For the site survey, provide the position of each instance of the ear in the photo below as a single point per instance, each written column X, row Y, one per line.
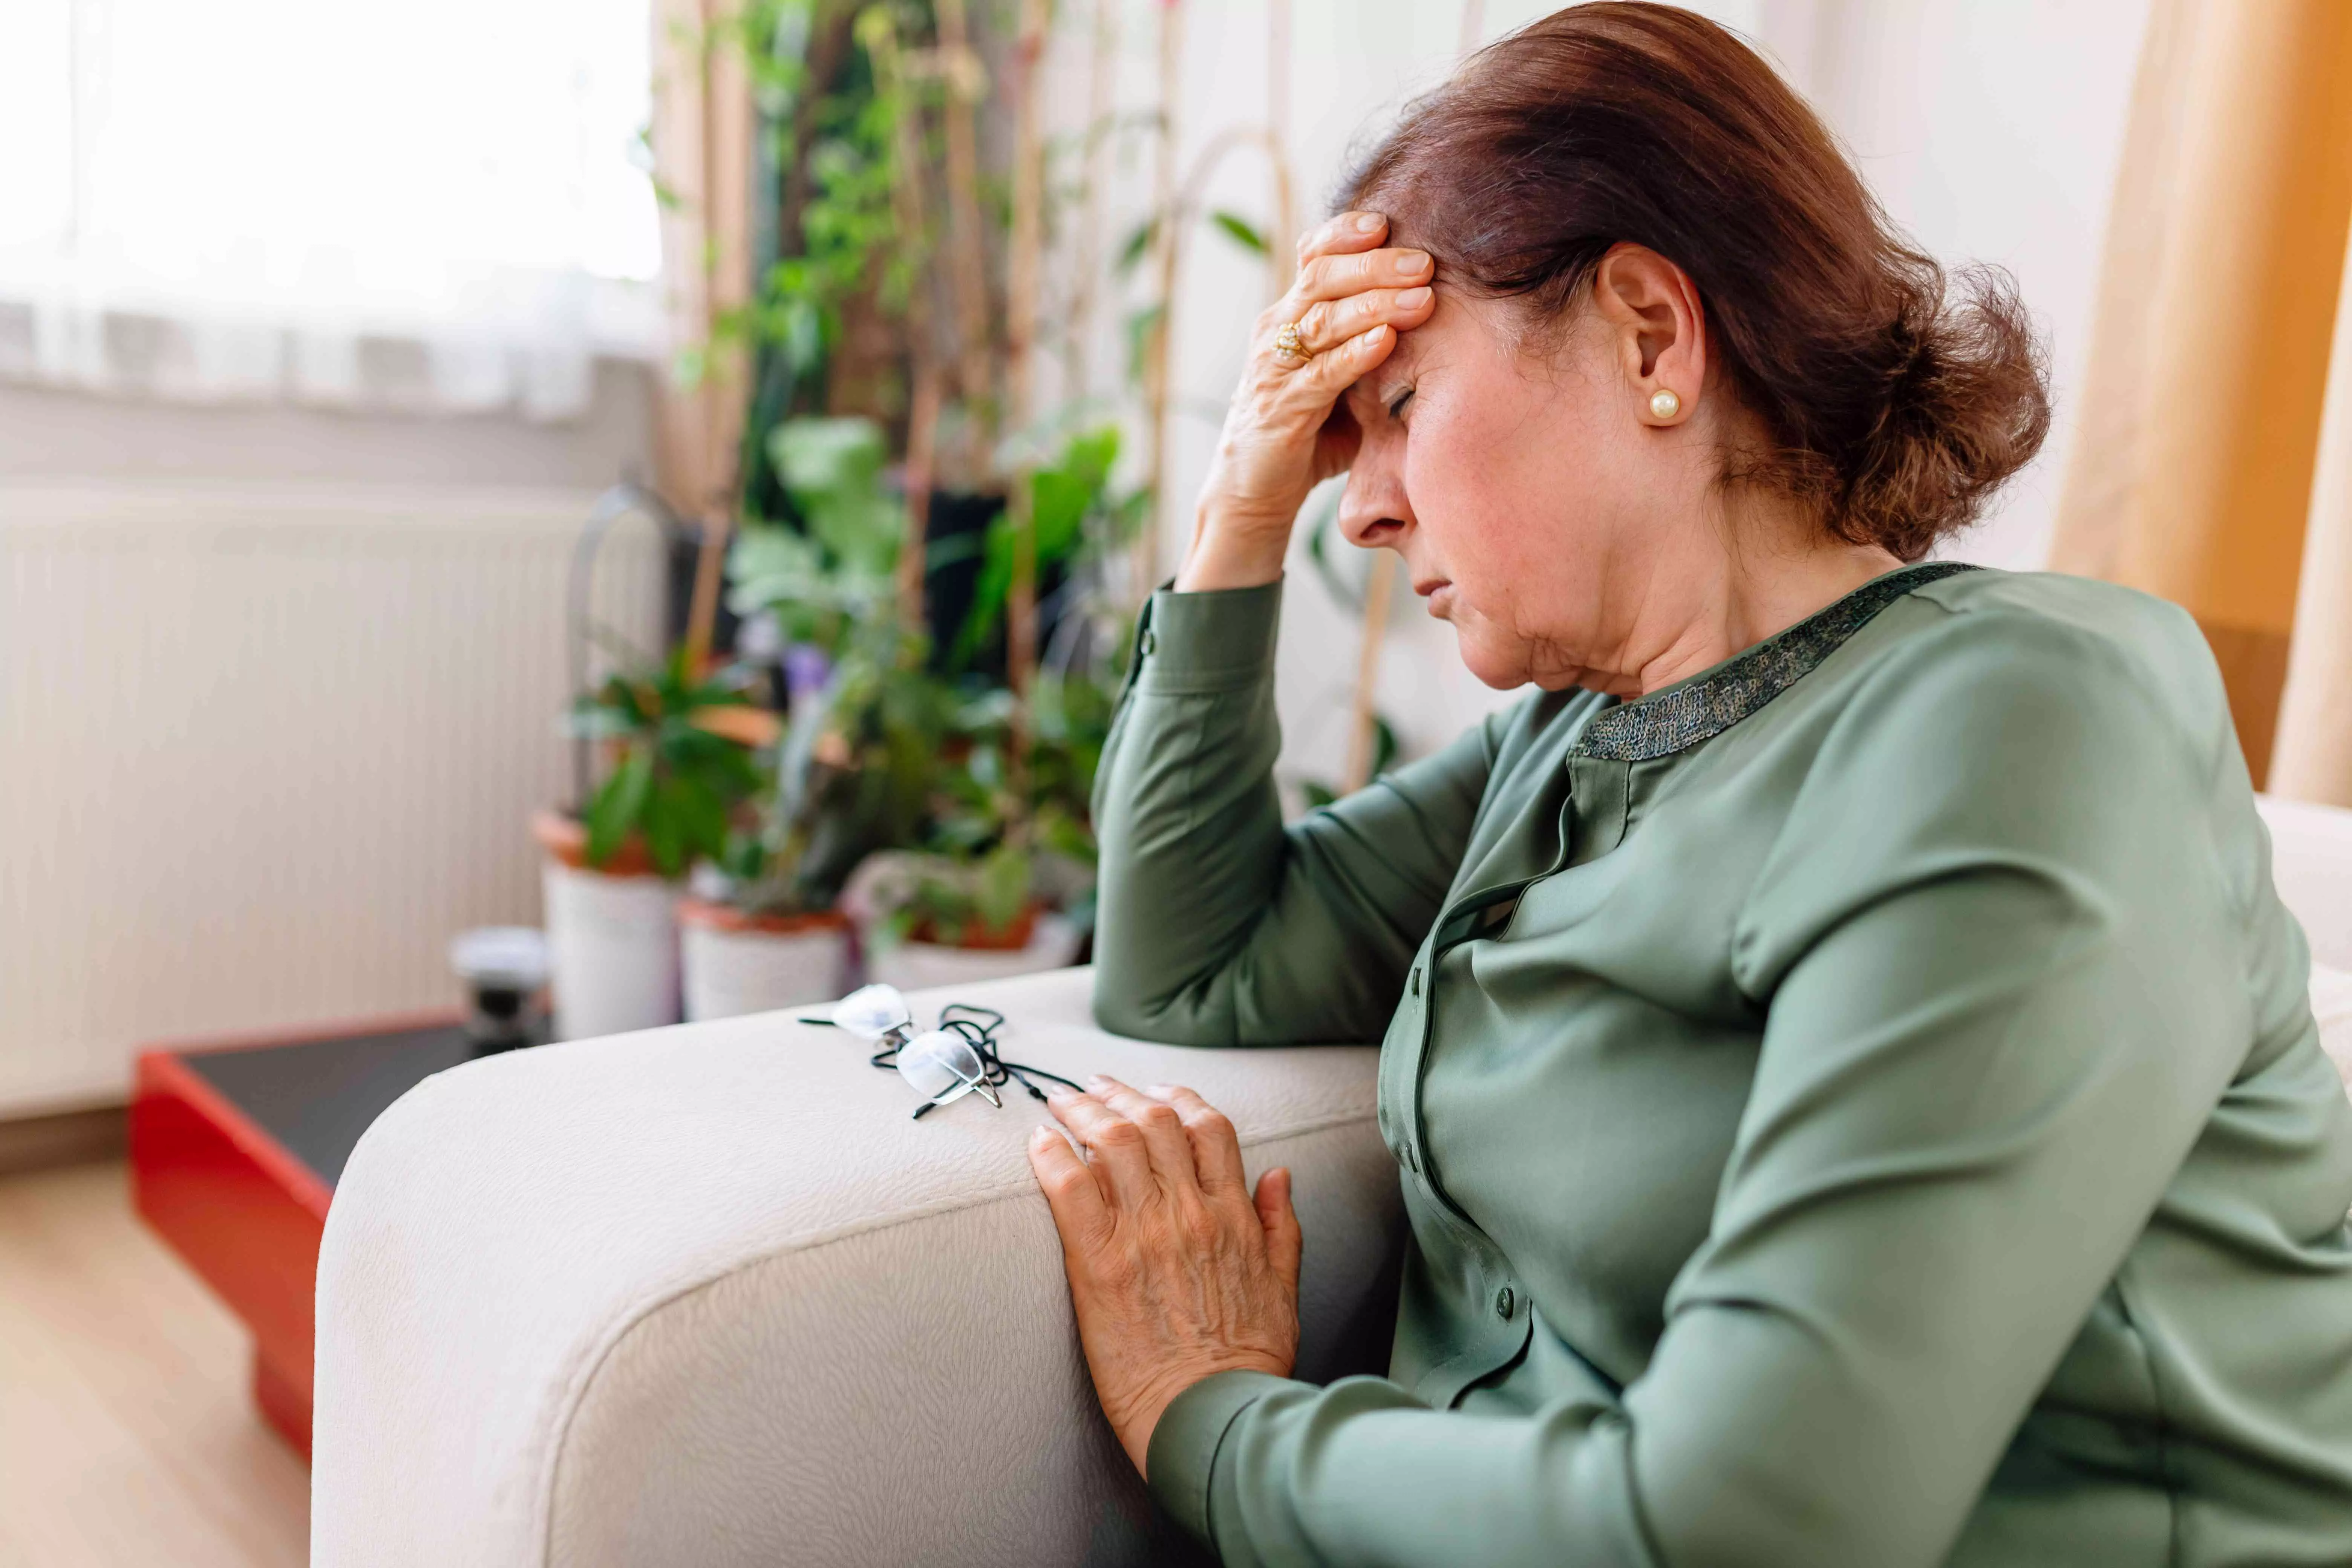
column 1658, row 329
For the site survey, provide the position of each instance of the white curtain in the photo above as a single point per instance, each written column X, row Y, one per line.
column 436, row 206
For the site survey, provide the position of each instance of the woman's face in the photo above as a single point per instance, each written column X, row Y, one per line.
column 1522, row 485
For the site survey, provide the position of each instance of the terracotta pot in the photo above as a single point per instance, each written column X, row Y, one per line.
column 612, row 934
column 1009, row 937
column 565, row 838
column 736, row 962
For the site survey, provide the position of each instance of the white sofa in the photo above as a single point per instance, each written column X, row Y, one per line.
column 708, row 1295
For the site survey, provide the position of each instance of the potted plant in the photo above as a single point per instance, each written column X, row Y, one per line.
column 764, row 929
column 684, row 761
column 999, row 881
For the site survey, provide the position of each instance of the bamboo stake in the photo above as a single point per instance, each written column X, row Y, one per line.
column 725, row 167
column 922, row 464
column 907, row 195
column 1283, row 241
column 1024, row 257
column 1156, row 366
column 960, row 76
column 1079, row 339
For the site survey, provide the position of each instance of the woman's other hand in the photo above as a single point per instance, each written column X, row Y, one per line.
column 1287, row 430
column 1177, row 1272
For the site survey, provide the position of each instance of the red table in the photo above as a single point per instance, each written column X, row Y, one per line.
column 235, row 1146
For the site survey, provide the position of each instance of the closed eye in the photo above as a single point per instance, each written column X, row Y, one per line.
column 1396, row 407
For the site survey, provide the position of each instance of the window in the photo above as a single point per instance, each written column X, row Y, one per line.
column 441, row 204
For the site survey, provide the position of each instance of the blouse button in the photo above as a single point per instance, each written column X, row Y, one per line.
column 1504, row 1301
column 1411, row 1161
column 1150, row 640
column 1416, row 982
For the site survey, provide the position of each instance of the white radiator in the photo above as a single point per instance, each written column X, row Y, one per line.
column 263, row 750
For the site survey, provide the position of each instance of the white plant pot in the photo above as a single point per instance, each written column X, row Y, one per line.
column 736, row 965
column 612, row 945
column 918, row 965
column 612, row 941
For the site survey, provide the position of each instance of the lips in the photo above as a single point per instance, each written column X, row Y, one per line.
column 1429, row 585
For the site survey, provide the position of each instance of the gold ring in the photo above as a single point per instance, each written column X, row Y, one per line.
column 1289, row 345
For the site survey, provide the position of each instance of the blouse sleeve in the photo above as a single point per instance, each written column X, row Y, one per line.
column 2003, row 979
column 1217, row 925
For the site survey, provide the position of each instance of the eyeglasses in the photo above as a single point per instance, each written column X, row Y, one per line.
column 944, row 1064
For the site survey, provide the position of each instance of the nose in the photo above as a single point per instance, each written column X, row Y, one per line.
column 1375, row 512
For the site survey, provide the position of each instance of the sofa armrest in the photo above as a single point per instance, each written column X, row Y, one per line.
column 708, row 1295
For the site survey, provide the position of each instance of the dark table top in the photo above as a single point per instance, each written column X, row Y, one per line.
column 316, row 1097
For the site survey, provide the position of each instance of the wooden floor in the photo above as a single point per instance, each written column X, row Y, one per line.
column 126, row 1436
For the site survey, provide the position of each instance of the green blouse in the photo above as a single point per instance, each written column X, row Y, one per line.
column 1857, row 1105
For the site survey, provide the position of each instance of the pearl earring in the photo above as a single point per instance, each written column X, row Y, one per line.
column 1664, row 403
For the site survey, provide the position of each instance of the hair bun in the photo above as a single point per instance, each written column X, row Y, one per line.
column 1964, row 406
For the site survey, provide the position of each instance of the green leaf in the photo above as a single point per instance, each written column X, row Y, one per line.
column 1137, row 246
column 617, row 806
column 861, row 532
column 1004, row 889
column 694, row 816
column 828, row 455
column 833, row 470
column 1241, row 231
column 1140, row 325
column 663, row 842
column 802, row 333
column 989, row 591
column 1061, row 496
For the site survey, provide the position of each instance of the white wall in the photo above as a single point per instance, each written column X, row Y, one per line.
column 49, row 433
column 1992, row 129
column 1989, row 128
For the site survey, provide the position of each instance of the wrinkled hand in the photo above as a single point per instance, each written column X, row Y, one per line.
column 1175, row 1271
column 1286, row 430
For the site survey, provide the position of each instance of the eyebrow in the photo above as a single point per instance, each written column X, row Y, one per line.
column 1388, row 383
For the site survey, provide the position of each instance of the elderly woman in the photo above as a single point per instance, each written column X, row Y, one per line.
column 1851, row 1077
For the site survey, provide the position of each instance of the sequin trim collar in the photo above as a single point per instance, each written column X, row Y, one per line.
column 1682, row 716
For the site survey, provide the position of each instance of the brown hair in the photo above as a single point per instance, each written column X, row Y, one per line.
column 1896, row 399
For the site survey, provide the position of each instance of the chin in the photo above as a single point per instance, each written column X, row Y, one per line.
column 1501, row 669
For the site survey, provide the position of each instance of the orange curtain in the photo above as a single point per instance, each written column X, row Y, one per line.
column 702, row 147
column 2198, row 420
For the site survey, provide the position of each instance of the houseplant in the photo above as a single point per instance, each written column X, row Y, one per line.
column 683, row 750
column 896, row 291
column 999, row 878
column 764, row 929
